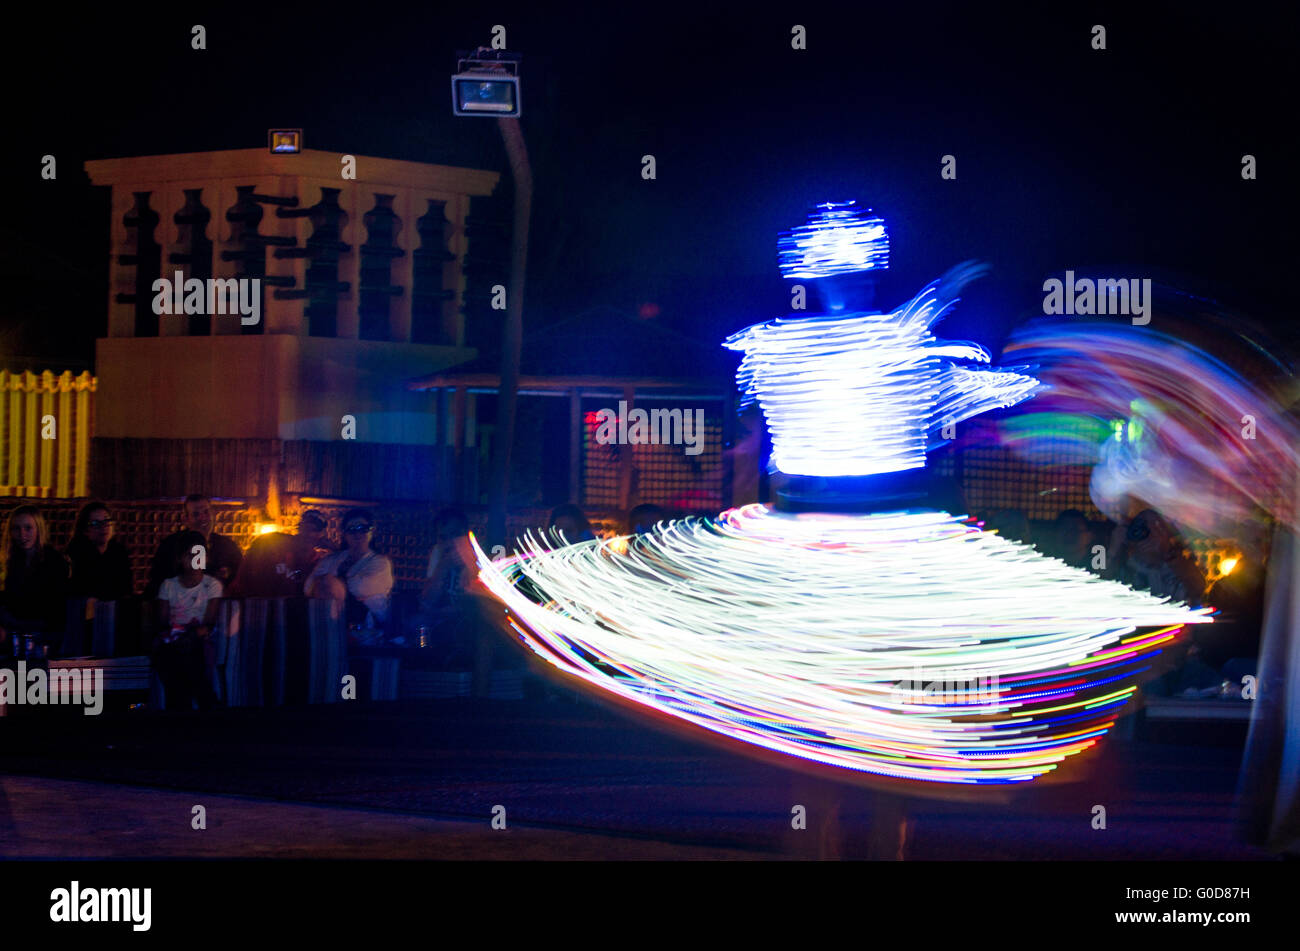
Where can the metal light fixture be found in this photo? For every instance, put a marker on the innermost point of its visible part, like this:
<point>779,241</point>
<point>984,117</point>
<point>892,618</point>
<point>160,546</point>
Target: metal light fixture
<point>486,83</point>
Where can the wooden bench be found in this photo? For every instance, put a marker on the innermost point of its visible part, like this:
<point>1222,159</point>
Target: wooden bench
<point>1178,708</point>
<point>120,673</point>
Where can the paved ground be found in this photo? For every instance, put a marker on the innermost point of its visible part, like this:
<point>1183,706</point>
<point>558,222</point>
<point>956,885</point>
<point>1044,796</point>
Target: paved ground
<point>577,780</point>
<point>51,818</point>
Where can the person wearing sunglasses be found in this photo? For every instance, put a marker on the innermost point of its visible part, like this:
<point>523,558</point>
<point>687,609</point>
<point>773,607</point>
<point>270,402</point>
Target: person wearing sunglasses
<point>101,565</point>
<point>357,575</point>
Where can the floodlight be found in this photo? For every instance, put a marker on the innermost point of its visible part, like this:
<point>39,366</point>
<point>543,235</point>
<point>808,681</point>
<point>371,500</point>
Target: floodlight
<point>486,84</point>
<point>287,141</point>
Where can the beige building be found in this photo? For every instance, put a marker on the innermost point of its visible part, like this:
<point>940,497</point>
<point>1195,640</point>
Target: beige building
<point>361,288</point>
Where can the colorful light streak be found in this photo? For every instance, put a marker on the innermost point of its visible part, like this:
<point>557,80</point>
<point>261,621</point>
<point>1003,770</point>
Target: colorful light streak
<point>1199,442</point>
<point>803,634</point>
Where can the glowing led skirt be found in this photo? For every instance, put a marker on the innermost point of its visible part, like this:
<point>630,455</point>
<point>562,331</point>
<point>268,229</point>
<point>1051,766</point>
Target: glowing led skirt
<point>909,645</point>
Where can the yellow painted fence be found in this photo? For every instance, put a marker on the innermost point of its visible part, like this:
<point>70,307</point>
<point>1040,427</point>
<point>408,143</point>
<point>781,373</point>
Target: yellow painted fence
<point>45,426</point>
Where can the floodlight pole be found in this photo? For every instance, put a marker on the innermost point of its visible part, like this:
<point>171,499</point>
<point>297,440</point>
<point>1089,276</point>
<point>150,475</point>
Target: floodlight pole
<point>512,333</point>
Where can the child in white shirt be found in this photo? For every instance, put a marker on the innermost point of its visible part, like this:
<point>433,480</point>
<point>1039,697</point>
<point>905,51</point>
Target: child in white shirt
<point>187,610</point>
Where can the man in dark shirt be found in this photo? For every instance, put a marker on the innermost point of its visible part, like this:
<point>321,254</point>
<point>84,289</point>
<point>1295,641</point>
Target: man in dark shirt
<point>1235,633</point>
<point>223,555</point>
<point>278,565</point>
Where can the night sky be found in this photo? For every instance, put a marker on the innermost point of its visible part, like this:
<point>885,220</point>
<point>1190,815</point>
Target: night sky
<point>1124,161</point>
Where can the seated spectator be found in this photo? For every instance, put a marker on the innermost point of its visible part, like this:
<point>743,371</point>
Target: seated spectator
<point>222,553</point>
<point>34,598</point>
<point>452,566</point>
<point>570,521</point>
<point>314,542</point>
<point>1152,556</point>
<point>1235,633</point>
<point>744,455</point>
<point>450,602</point>
<point>1239,597</point>
<point>643,518</point>
<point>184,654</point>
<point>357,576</point>
<point>1074,539</point>
<point>101,565</point>
<point>1011,524</point>
<point>277,564</point>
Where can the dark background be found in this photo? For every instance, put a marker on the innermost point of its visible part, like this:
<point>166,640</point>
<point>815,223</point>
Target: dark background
<point>1125,162</point>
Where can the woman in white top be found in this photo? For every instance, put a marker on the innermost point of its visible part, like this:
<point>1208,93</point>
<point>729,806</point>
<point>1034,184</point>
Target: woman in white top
<point>357,576</point>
